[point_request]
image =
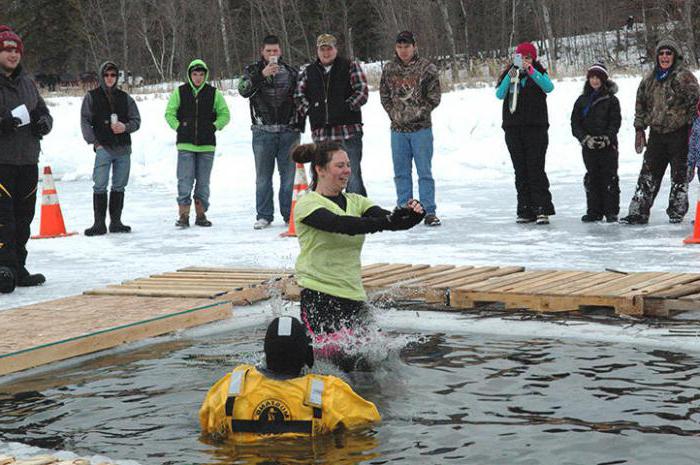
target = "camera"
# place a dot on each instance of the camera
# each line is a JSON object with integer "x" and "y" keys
{"x": 518, "y": 60}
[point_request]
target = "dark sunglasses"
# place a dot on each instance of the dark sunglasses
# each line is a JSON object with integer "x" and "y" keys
{"x": 666, "y": 53}
{"x": 109, "y": 75}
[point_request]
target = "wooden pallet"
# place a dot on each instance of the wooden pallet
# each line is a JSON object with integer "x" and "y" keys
{"x": 202, "y": 283}
{"x": 557, "y": 290}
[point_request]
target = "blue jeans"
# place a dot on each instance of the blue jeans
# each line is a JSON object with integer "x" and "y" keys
{"x": 268, "y": 147}
{"x": 120, "y": 164}
{"x": 353, "y": 147}
{"x": 417, "y": 147}
{"x": 191, "y": 167}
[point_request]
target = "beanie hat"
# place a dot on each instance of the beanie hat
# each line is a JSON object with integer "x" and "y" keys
{"x": 599, "y": 70}
{"x": 406, "y": 37}
{"x": 9, "y": 40}
{"x": 669, "y": 43}
{"x": 287, "y": 346}
{"x": 527, "y": 48}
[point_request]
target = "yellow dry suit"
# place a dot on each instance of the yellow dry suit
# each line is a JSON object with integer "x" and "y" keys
{"x": 246, "y": 404}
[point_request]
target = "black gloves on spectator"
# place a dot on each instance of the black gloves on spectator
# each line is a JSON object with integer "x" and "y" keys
{"x": 39, "y": 123}
{"x": 404, "y": 218}
{"x": 595, "y": 142}
{"x": 8, "y": 123}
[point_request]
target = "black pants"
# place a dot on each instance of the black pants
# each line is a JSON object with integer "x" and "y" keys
{"x": 18, "y": 184}
{"x": 601, "y": 182}
{"x": 325, "y": 313}
{"x": 527, "y": 146}
{"x": 663, "y": 150}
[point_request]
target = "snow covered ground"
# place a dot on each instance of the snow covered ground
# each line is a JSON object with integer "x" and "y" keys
{"x": 475, "y": 197}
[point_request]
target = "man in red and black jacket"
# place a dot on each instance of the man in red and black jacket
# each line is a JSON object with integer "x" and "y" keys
{"x": 331, "y": 91}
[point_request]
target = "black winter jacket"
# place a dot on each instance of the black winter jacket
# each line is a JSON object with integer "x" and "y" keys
{"x": 20, "y": 147}
{"x": 271, "y": 100}
{"x": 603, "y": 117}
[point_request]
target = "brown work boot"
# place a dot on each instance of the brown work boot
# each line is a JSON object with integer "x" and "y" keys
{"x": 201, "y": 219}
{"x": 184, "y": 219}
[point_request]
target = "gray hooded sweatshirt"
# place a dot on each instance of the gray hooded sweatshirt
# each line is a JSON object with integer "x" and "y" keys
{"x": 86, "y": 115}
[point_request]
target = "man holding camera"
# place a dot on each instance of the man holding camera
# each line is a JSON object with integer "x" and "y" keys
{"x": 269, "y": 84}
{"x": 107, "y": 118}
{"x": 19, "y": 161}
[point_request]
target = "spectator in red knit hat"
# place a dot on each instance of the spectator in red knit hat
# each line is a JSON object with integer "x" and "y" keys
{"x": 19, "y": 161}
{"x": 523, "y": 87}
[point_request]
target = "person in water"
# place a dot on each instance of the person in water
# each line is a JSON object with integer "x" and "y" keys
{"x": 251, "y": 402}
{"x": 331, "y": 225}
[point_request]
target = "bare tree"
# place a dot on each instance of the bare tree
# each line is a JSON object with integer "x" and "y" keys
{"x": 442, "y": 6}
{"x": 224, "y": 37}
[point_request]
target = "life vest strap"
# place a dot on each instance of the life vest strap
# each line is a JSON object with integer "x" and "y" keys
{"x": 269, "y": 427}
{"x": 234, "y": 389}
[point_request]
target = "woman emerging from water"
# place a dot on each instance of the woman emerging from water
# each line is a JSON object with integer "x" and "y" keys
{"x": 331, "y": 225}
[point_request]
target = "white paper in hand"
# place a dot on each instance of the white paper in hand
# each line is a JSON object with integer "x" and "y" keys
{"x": 22, "y": 114}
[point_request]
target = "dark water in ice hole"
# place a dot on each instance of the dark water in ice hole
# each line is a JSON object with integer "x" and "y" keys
{"x": 476, "y": 399}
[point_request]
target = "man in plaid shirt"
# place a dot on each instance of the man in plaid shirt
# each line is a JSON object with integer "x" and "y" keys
{"x": 331, "y": 91}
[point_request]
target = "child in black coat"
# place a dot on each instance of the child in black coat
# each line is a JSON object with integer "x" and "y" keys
{"x": 595, "y": 122}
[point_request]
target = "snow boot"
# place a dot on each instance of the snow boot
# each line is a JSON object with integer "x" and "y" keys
{"x": 99, "y": 207}
{"x": 184, "y": 220}
{"x": 25, "y": 279}
{"x": 525, "y": 219}
{"x": 542, "y": 219}
{"x": 116, "y": 205}
{"x": 634, "y": 219}
{"x": 432, "y": 220}
{"x": 587, "y": 218}
{"x": 201, "y": 219}
{"x": 612, "y": 218}
{"x": 674, "y": 219}
{"x": 7, "y": 280}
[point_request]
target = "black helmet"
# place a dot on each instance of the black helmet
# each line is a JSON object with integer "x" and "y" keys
{"x": 287, "y": 346}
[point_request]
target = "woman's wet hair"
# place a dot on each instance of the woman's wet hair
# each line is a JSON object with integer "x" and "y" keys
{"x": 317, "y": 154}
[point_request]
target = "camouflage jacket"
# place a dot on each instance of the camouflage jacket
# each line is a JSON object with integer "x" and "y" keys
{"x": 409, "y": 93}
{"x": 668, "y": 105}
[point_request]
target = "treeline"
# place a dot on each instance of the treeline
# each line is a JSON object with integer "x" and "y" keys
{"x": 157, "y": 38}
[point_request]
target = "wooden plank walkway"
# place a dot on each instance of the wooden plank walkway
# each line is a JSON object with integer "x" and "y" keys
{"x": 200, "y": 283}
{"x": 99, "y": 319}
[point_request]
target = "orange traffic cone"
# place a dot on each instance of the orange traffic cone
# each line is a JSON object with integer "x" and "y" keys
{"x": 301, "y": 185}
{"x": 51, "y": 217}
{"x": 695, "y": 238}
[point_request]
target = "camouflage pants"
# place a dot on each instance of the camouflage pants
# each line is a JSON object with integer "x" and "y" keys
{"x": 601, "y": 182}
{"x": 663, "y": 150}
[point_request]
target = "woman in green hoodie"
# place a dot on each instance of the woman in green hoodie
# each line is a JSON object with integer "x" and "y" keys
{"x": 196, "y": 110}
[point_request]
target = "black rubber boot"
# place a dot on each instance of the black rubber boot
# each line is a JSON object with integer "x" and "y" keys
{"x": 7, "y": 280}
{"x": 99, "y": 206}
{"x": 116, "y": 205}
{"x": 25, "y": 279}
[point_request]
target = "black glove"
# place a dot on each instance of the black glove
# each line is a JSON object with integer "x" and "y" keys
{"x": 8, "y": 123}
{"x": 589, "y": 142}
{"x": 404, "y": 218}
{"x": 39, "y": 123}
{"x": 600, "y": 142}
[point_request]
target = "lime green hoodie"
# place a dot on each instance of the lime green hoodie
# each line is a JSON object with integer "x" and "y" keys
{"x": 220, "y": 108}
